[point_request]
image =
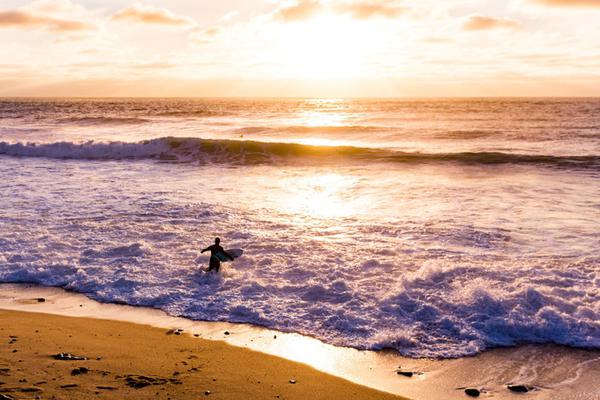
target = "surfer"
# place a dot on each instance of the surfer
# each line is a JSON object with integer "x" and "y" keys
{"x": 215, "y": 251}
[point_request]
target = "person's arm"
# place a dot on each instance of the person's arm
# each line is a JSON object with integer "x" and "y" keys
{"x": 206, "y": 249}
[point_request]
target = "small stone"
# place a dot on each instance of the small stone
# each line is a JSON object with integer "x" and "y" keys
{"x": 472, "y": 392}
{"x": 206, "y": 393}
{"x": 68, "y": 386}
{"x": 106, "y": 388}
{"x": 407, "y": 374}
{"x": 41, "y": 300}
{"x": 518, "y": 388}
{"x": 226, "y": 333}
{"x": 293, "y": 381}
{"x": 79, "y": 371}
{"x": 274, "y": 336}
{"x": 15, "y": 350}
{"x": 68, "y": 357}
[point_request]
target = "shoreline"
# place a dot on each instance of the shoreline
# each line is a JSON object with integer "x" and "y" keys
{"x": 52, "y": 356}
{"x": 550, "y": 371}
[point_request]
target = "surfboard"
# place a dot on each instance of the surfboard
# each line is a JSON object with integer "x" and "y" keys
{"x": 235, "y": 253}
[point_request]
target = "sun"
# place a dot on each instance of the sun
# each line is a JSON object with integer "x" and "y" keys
{"x": 327, "y": 46}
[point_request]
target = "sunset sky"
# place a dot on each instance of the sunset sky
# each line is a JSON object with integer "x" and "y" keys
{"x": 338, "y": 48}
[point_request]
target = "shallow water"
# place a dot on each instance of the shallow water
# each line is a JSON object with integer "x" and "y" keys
{"x": 455, "y": 226}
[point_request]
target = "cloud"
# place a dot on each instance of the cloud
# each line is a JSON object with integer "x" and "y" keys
{"x": 568, "y": 3}
{"x": 371, "y": 9}
{"x": 299, "y": 11}
{"x": 204, "y": 36}
{"x": 151, "y": 15}
{"x": 26, "y": 19}
{"x": 481, "y": 23}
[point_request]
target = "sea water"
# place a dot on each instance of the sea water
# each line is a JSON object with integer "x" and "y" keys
{"x": 439, "y": 228}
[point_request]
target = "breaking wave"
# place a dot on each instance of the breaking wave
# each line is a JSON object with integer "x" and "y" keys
{"x": 254, "y": 152}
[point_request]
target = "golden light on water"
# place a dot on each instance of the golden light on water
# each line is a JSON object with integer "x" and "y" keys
{"x": 321, "y": 196}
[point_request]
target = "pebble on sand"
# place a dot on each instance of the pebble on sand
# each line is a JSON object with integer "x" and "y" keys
{"x": 518, "y": 388}
{"x": 68, "y": 357}
{"x": 472, "y": 392}
{"x": 79, "y": 371}
{"x": 407, "y": 374}
{"x": 293, "y": 381}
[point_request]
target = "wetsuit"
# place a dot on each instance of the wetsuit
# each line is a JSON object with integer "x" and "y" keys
{"x": 214, "y": 262}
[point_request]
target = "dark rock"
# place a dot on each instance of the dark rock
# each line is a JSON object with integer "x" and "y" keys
{"x": 227, "y": 333}
{"x": 207, "y": 393}
{"x": 30, "y": 390}
{"x": 518, "y": 388}
{"x": 106, "y": 388}
{"x": 69, "y": 385}
{"x": 68, "y": 357}
{"x": 41, "y": 300}
{"x": 15, "y": 350}
{"x": 274, "y": 336}
{"x": 407, "y": 374}
{"x": 141, "y": 381}
{"x": 177, "y": 331}
{"x": 196, "y": 335}
{"x": 79, "y": 371}
{"x": 472, "y": 392}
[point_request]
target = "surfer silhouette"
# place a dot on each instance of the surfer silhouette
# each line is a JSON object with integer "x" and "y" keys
{"x": 217, "y": 254}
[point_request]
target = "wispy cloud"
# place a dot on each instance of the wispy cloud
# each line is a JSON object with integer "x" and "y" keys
{"x": 568, "y": 3}
{"x": 151, "y": 15}
{"x": 301, "y": 10}
{"x": 26, "y": 19}
{"x": 481, "y": 23}
{"x": 371, "y": 9}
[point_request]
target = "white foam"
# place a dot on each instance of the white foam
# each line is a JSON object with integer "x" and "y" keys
{"x": 433, "y": 286}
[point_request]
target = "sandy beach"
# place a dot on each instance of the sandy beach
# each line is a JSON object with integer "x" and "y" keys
{"x": 241, "y": 355}
{"x": 124, "y": 360}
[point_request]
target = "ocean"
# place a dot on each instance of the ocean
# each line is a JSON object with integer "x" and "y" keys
{"x": 435, "y": 227}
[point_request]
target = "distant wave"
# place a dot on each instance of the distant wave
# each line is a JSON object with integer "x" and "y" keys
{"x": 314, "y": 129}
{"x": 104, "y": 120}
{"x": 253, "y": 152}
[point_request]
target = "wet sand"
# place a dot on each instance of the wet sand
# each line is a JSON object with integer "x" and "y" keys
{"x": 125, "y": 360}
{"x": 548, "y": 371}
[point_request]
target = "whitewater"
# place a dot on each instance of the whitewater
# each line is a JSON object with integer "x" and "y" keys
{"x": 438, "y": 228}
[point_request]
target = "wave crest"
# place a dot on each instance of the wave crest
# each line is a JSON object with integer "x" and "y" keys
{"x": 254, "y": 152}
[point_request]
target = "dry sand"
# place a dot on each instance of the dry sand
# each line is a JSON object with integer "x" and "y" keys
{"x": 126, "y": 360}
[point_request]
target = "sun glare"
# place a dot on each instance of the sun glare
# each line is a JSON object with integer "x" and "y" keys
{"x": 327, "y": 46}
{"x": 322, "y": 196}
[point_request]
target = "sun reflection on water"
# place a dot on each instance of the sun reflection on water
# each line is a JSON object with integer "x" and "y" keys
{"x": 323, "y": 196}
